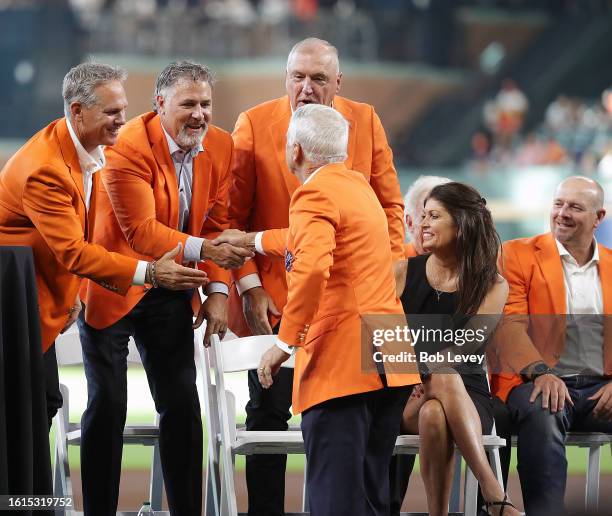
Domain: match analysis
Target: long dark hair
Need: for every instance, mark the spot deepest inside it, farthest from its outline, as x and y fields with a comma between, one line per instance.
x=477, y=244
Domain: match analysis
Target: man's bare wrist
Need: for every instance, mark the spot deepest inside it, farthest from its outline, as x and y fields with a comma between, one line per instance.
x=205, y=243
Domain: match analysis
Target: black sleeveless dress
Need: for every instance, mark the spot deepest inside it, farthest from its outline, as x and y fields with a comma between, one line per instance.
x=420, y=298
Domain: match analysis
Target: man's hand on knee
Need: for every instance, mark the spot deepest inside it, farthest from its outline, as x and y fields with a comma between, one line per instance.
x=554, y=392
x=603, y=408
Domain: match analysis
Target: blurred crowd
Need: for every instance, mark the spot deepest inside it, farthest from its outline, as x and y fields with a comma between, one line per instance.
x=575, y=132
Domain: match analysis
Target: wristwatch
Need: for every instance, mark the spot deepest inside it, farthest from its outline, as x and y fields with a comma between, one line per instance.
x=531, y=372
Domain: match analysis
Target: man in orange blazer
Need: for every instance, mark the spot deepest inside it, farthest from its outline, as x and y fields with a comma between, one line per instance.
x=554, y=367
x=167, y=180
x=335, y=260
x=48, y=193
x=259, y=199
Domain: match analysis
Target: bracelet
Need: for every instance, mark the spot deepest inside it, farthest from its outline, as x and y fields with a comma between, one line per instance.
x=153, y=276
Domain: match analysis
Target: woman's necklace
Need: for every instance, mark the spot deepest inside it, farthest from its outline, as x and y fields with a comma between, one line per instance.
x=438, y=292
x=435, y=284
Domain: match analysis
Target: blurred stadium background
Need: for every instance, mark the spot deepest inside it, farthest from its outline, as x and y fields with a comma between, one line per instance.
x=507, y=95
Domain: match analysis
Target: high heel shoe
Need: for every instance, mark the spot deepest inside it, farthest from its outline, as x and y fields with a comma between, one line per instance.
x=503, y=504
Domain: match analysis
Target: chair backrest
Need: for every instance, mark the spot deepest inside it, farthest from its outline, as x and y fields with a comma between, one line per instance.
x=229, y=356
x=68, y=348
x=244, y=353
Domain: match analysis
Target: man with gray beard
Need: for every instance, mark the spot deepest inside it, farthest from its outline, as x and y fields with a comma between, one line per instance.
x=166, y=183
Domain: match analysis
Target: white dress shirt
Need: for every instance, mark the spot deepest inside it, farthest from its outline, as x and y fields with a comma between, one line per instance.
x=183, y=165
x=583, y=351
x=90, y=163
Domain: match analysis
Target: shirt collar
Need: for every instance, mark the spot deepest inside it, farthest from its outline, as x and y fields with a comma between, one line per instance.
x=565, y=254
x=90, y=162
x=173, y=147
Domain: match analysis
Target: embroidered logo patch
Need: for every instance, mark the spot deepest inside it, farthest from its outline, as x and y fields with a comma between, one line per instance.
x=288, y=260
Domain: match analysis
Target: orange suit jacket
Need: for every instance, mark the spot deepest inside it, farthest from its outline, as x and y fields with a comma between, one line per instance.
x=533, y=269
x=42, y=205
x=139, y=214
x=409, y=250
x=339, y=268
x=262, y=186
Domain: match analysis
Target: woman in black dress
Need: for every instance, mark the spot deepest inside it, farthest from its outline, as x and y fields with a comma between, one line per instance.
x=457, y=278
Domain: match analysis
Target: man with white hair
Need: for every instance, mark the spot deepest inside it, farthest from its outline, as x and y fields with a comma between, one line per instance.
x=259, y=199
x=166, y=180
x=336, y=255
x=48, y=194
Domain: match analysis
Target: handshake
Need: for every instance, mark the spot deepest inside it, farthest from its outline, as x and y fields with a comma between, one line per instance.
x=230, y=249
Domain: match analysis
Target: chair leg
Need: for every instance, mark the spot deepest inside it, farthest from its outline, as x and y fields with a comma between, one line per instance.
x=229, y=505
x=495, y=462
x=455, y=495
x=156, y=488
x=470, y=494
x=213, y=488
x=592, y=479
x=62, y=480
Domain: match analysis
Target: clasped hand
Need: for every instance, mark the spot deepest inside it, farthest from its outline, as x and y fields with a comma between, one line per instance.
x=229, y=250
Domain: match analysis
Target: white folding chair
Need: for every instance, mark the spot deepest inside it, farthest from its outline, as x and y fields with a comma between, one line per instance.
x=225, y=440
x=68, y=351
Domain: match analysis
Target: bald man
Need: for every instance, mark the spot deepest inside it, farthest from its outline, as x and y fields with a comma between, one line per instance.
x=260, y=191
x=554, y=372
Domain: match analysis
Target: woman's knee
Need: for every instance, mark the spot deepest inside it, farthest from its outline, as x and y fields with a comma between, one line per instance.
x=432, y=417
x=442, y=384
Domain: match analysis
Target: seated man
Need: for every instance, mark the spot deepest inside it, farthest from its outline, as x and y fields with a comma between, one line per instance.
x=553, y=372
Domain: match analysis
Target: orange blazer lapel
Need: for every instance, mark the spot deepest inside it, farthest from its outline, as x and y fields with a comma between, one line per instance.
x=165, y=163
x=549, y=261
x=71, y=159
x=202, y=175
x=278, y=135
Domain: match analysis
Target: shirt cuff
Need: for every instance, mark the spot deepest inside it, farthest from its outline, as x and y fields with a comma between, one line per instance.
x=247, y=283
x=141, y=273
x=193, y=249
x=285, y=347
x=215, y=287
x=258, y=243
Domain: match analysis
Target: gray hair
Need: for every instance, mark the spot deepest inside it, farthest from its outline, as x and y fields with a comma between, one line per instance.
x=322, y=133
x=310, y=44
x=177, y=71
x=81, y=81
x=423, y=185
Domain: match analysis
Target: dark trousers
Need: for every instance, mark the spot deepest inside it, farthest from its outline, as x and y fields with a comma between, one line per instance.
x=161, y=326
x=52, y=391
x=268, y=409
x=542, y=465
x=400, y=469
x=349, y=442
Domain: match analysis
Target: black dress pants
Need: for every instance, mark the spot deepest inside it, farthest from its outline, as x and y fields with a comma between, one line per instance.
x=161, y=326
x=349, y=442
x=268, y=409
